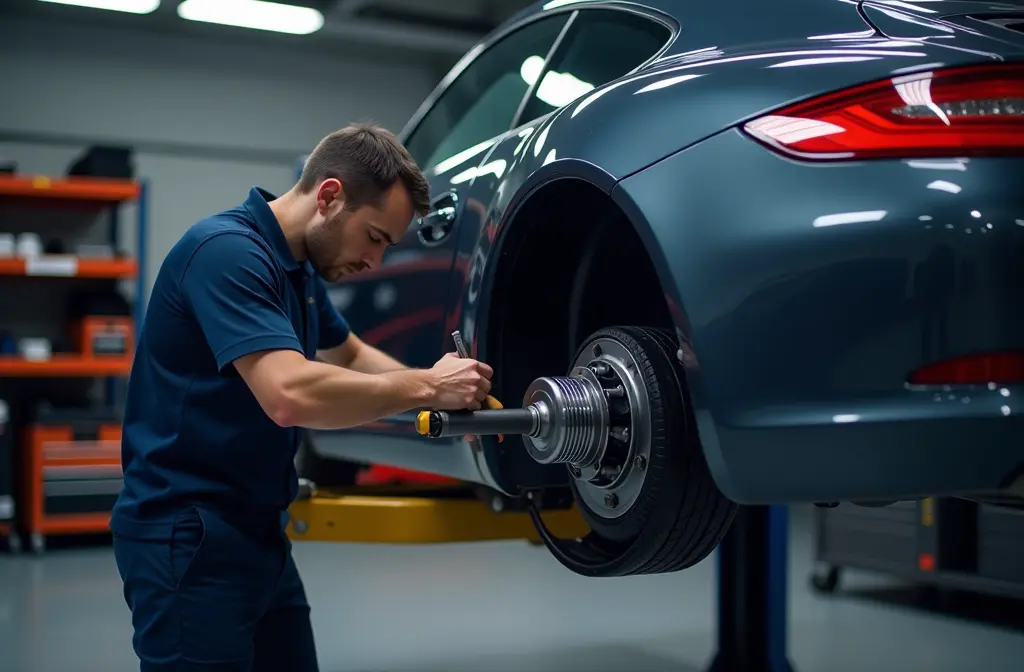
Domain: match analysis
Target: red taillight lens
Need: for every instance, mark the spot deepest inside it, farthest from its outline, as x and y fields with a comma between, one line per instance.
x=1002, y=368
x=970, y=111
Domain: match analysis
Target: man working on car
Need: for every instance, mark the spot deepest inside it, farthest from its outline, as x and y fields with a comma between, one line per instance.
x=222, y=382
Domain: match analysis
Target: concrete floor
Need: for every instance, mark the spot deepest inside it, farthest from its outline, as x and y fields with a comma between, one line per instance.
x=499, y=607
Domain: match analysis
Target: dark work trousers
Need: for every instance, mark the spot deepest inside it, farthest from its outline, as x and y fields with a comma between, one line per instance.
x=216, y=599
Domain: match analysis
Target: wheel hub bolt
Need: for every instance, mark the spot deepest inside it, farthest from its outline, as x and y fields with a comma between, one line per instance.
x=640, y=462
x=611, y=500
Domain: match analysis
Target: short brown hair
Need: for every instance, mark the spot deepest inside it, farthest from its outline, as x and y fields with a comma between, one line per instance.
x=368, y=160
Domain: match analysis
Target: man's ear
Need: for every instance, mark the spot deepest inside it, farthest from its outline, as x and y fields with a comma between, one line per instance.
x=330, y=194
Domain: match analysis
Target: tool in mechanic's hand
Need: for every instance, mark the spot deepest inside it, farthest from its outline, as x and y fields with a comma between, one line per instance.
x=460, y=345
x=491, y=403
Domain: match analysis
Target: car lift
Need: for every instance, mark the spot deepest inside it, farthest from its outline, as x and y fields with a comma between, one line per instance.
x=752, y=557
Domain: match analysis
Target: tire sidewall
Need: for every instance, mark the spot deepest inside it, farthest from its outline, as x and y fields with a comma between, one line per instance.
x=663, y=488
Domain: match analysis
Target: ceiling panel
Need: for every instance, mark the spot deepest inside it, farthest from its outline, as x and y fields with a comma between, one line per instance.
x=446, y=28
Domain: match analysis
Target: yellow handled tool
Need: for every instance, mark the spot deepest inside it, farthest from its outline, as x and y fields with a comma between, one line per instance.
x=436, y=424
x=430, y=423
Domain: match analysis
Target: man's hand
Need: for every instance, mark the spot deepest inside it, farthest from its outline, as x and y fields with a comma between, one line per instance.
x=459, y=383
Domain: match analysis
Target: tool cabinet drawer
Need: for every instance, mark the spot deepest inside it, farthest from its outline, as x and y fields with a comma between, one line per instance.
x=1001, y=543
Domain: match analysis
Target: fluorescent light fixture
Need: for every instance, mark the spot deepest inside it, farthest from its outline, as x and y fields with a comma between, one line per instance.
x=129, y=6
x=254, y=14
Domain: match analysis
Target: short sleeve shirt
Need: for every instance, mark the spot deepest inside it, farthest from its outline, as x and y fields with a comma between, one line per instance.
x=193, y=432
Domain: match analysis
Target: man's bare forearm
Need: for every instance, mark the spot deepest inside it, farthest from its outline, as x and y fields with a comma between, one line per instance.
x=331, y=397
x=371, y=360
x=296, y=392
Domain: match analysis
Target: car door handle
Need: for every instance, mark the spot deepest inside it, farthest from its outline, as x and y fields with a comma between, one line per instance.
x=438, y=224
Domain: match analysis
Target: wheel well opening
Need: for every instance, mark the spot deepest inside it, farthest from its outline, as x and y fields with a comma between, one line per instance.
x=573, y=264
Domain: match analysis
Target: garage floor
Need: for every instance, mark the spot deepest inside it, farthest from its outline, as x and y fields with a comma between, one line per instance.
x=510, y=607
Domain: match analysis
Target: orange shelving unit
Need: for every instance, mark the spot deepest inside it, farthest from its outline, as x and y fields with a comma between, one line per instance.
x=68, y=266
x=68, y=472
x=73, y=189
x=63, y=365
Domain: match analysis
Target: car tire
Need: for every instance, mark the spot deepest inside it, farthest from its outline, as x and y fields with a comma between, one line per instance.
x=679, y=516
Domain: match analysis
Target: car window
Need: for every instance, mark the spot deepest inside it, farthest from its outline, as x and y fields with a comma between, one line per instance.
x=600, y=46
x=481, y=103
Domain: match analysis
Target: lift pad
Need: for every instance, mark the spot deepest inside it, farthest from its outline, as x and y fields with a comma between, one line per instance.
x=416, y=515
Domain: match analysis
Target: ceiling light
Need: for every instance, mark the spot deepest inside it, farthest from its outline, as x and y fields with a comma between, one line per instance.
x=130, y=6
x=254, y=14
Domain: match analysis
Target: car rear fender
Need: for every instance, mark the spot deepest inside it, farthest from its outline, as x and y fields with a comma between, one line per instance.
x=494, y=247
x=633, y=122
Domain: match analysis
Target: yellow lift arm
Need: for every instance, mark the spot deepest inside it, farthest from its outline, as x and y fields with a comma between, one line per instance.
x=416, y=515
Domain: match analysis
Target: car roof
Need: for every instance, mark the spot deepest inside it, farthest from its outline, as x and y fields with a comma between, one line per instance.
x=721, y=23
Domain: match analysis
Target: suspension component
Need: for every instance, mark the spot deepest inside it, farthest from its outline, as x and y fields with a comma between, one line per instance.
x=574, y=419
x=595, y=421
x=563, y=420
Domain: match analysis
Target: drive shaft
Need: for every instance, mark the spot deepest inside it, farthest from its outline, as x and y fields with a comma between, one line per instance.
x=436, y=424
x=563, y=419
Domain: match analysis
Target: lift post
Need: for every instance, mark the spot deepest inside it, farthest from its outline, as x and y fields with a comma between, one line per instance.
x=752, y=592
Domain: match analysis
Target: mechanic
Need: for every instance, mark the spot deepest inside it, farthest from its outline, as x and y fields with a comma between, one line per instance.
x=225, y=376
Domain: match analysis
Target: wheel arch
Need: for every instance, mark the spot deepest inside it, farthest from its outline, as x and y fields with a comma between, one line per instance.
x=548, y=286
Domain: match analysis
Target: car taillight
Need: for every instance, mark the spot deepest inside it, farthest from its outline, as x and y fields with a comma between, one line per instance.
x=968, y=111
x=1000, y=367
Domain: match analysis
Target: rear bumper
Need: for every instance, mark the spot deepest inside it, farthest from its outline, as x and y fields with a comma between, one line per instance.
x=808, y=294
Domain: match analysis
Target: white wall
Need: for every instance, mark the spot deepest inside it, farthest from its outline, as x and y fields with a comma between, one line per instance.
x=208, y=119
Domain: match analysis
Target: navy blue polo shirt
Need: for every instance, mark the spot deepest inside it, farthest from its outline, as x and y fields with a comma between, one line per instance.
x=193, y=433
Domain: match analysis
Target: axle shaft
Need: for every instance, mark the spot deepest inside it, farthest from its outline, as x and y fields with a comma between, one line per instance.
x=436, y=424
x=563, y=420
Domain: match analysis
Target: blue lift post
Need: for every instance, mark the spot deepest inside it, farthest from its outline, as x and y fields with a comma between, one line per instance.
x=752, y=592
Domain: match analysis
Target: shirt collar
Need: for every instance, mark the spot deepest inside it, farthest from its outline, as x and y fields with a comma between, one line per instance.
x=258, y=206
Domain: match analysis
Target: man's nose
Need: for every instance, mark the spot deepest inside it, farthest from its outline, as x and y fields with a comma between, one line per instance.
x=373, y=260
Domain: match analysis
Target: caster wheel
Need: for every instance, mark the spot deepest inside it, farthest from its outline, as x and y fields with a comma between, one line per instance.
x=14, y=543
x=825, y=580
x=38, y=543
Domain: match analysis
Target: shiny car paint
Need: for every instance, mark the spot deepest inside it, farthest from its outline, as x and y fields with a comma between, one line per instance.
x=806, y=291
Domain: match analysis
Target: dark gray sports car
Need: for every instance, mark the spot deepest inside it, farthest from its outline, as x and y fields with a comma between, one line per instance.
x=739, y=251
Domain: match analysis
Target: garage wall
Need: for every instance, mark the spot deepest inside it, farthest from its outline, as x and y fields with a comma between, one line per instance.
x=208, y=119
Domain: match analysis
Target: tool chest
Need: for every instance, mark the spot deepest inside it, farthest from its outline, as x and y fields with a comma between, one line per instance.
x=946, y=543
x=72, y=472
x=1001, y=543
